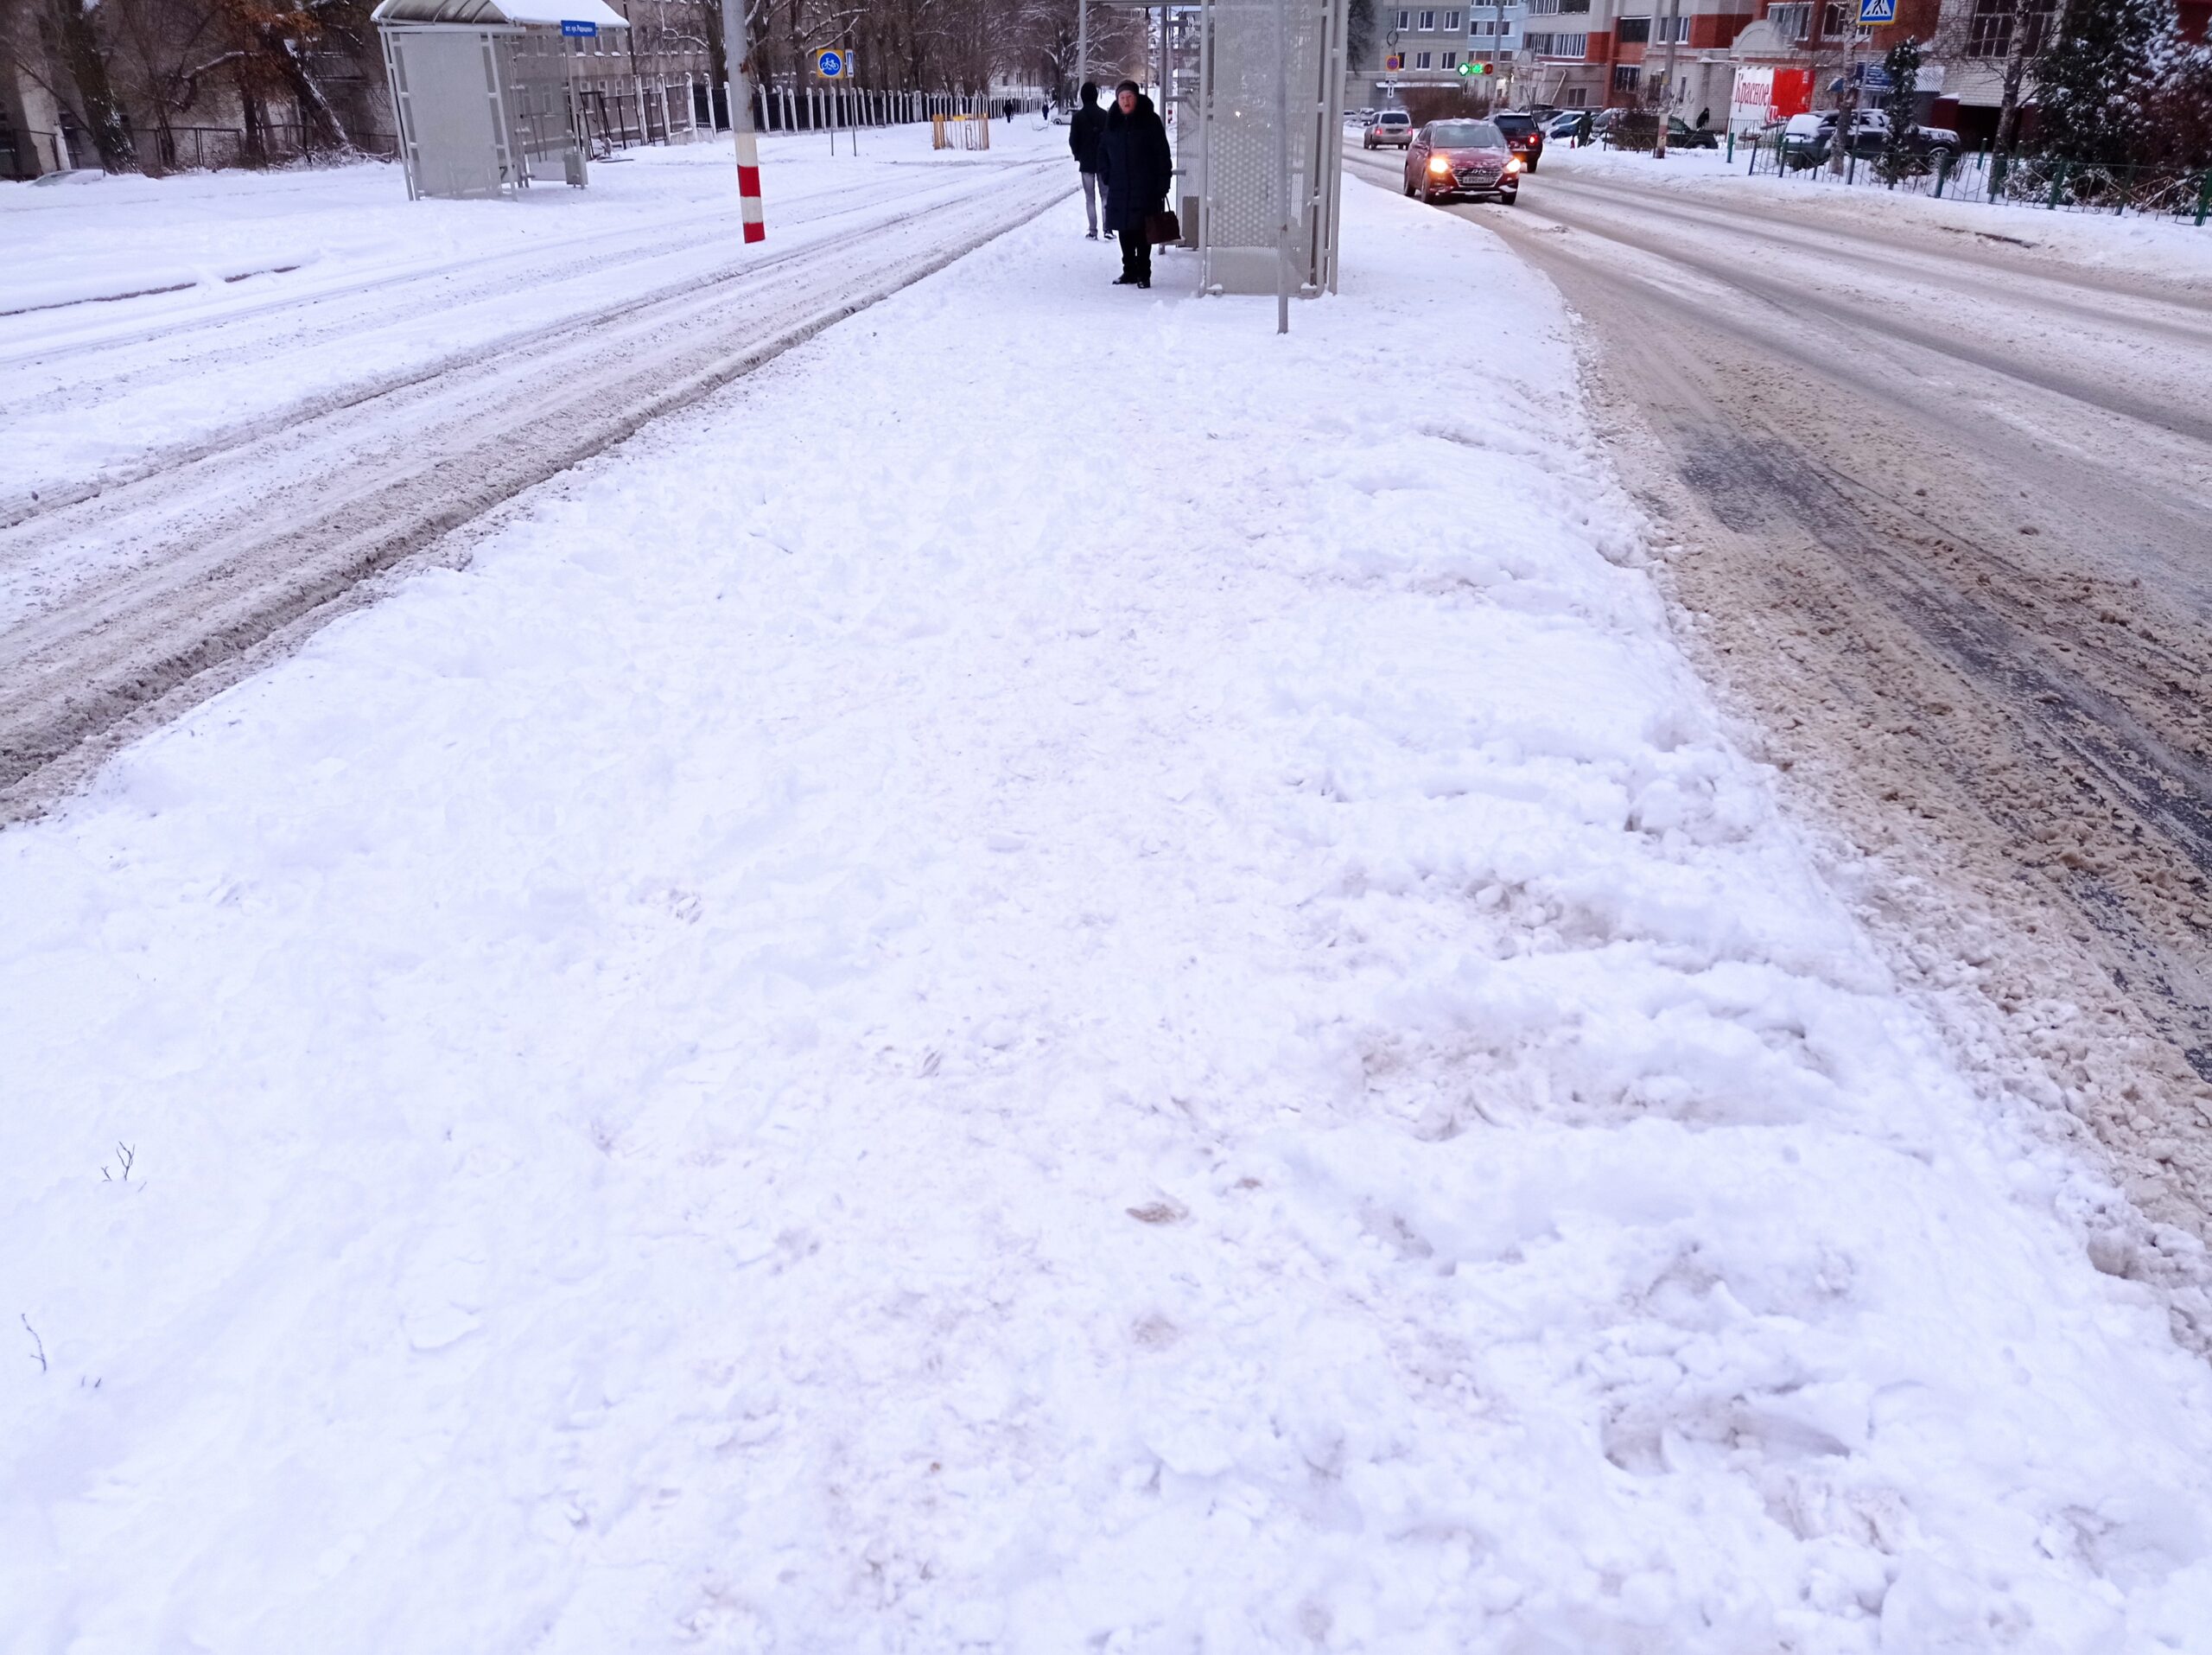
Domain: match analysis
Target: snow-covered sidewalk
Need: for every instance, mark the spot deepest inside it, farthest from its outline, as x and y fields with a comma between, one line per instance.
x=1034, y=986
x=2166, y=249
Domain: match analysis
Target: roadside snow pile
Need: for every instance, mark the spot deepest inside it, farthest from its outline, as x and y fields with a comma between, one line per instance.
x=2171, y=249
x=1065, y=977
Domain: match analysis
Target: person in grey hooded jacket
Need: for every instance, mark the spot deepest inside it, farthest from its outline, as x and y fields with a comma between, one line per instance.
x=1086, y=132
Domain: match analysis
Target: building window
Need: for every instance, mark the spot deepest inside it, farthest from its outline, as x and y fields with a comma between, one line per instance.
x=1681, y=26
x=1451, y=61
x=1450, y=22
x=1840, y=20
x=1405, y=19
x=1989, y=32
x=1792, y=20
x=1428, y=22
x=1633, y=31
x=1626, y=76
x=1575, y=96
x=1567, y=45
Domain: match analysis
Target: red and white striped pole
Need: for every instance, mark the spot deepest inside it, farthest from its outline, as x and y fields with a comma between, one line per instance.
x=737, y=48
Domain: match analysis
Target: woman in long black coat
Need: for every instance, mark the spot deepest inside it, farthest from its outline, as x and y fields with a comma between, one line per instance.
x=1138, y=167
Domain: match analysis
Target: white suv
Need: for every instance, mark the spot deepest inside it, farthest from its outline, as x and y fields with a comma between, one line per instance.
x=1391, y=126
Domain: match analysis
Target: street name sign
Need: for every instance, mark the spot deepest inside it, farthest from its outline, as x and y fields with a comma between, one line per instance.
x=584, y=30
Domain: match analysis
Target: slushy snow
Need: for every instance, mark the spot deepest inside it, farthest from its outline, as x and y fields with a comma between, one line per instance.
x=1060, y=977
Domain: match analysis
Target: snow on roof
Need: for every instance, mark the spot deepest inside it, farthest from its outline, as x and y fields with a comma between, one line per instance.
x=495, y=12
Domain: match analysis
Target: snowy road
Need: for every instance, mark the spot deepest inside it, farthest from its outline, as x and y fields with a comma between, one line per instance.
x=316, y=437
x=1943, y=501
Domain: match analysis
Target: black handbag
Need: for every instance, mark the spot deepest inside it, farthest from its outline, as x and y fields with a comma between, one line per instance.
x=1162, y=227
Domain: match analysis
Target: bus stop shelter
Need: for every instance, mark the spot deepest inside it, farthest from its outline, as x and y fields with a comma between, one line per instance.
x=1255, y=93
x=1267, y=171
x=484, y=91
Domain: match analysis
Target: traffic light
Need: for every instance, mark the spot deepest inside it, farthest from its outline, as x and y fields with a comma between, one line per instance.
x=1474, y=69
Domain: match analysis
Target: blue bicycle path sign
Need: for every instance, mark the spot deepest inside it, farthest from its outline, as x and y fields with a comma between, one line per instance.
x=1871, y=12
x=830, y=64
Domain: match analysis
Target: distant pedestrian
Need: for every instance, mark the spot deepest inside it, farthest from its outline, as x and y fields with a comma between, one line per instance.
x=1086, y=129
x=1704, y=119
x=1140, y=167
x=1008, y=107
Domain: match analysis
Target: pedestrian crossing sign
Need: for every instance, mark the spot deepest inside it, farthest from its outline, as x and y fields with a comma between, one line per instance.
x=1872, y=13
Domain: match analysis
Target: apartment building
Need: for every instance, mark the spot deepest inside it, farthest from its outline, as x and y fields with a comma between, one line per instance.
x=1426, y=46
x=1798, y=49
x=1968, y=43
x=1742, y=62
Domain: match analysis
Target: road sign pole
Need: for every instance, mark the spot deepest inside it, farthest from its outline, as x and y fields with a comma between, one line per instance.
x=738, y=50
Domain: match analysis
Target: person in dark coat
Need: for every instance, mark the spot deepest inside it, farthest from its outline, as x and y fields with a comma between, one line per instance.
x=1138, y=168
x=1704, y=119
x=1086, y=132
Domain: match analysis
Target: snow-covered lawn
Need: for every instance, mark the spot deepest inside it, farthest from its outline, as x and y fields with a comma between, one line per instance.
x=1033, y=986
x=2173, y=249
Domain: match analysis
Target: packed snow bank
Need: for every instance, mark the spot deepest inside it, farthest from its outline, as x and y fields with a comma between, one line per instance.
x=233, y=302
x=1037, y=987
x=2171, y=249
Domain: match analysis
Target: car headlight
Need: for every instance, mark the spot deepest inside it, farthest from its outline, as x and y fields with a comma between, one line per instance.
x=1514, y=165
x=1438, y=165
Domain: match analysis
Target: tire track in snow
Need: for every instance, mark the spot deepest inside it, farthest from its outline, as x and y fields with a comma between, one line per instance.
x=212, y=571
x=83, y=380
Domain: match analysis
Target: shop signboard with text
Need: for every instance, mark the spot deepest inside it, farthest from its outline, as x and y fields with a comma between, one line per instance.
x=1765, y=95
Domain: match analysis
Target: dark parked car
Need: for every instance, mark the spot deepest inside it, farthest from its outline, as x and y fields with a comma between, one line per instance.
x=1524, y=134
x=1463, y=158
x=1680, y=135
x=1807, y=140
x=1870, y=134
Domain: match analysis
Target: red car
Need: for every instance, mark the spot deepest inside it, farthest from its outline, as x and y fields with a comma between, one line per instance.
x=1463, y=158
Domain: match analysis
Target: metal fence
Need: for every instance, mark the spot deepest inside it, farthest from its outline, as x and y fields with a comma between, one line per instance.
x=2175, y=193
x=617, y=114
x=157, y=150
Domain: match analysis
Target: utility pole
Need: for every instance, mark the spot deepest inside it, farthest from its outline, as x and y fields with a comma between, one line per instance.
x=1082, y=46
x=1667, y=77
x=737, y=49
x=1283, y=168
x=1496, y=47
